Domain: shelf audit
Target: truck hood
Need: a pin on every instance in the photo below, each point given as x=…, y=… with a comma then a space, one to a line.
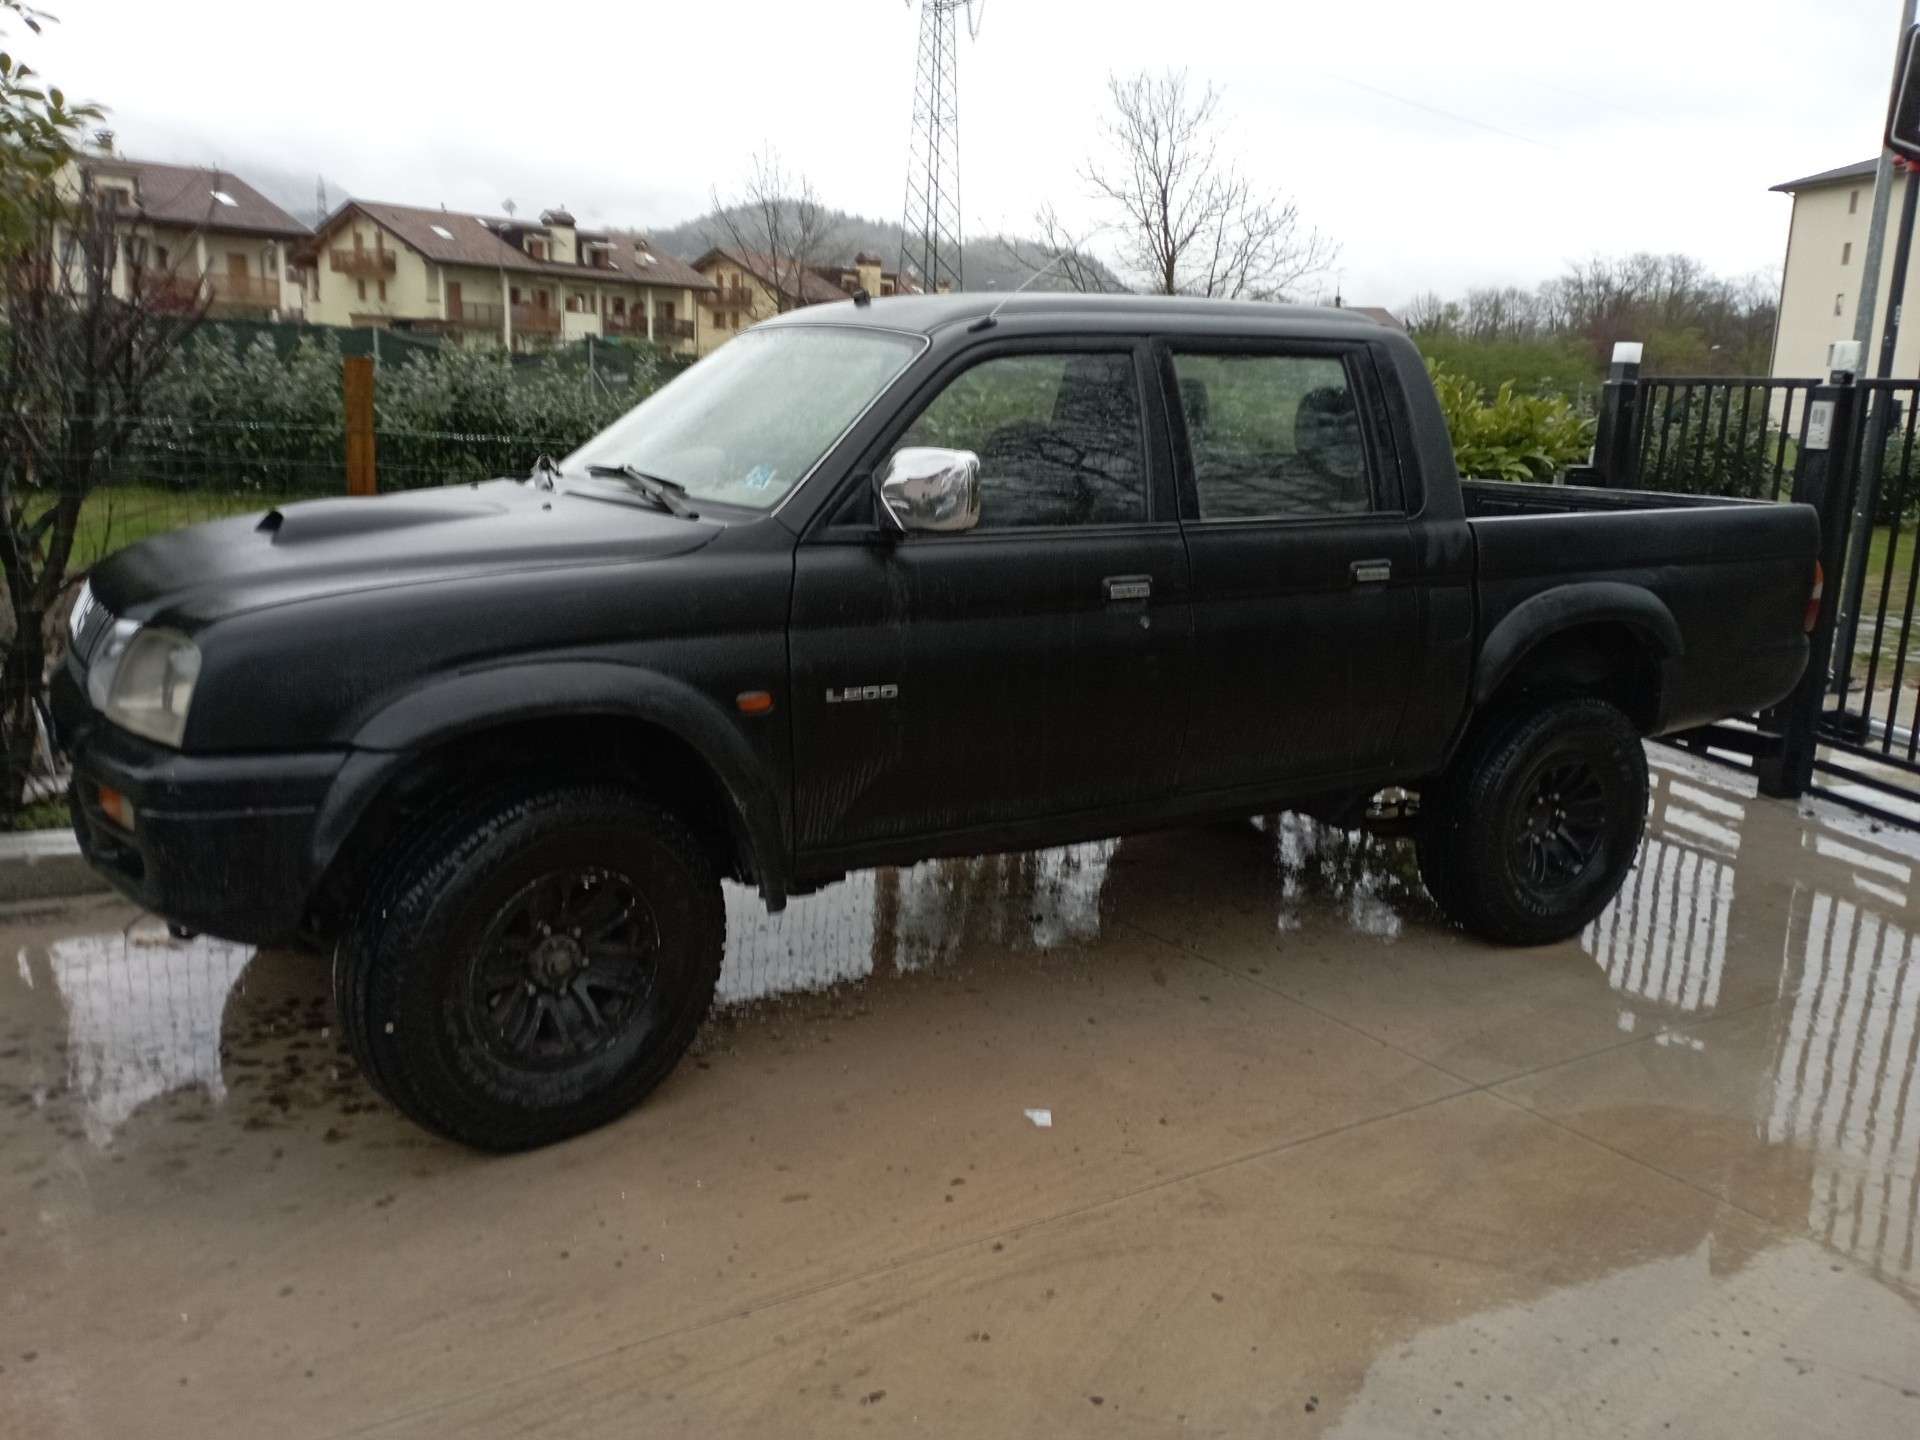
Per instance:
x=330, y=547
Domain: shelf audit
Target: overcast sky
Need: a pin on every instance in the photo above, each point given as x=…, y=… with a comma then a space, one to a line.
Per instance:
x=1443, y=145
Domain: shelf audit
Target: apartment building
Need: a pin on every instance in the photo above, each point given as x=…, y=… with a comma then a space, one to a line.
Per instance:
x=1820, y=289
x=749, y=286
x=197, y=233
x=495, y=279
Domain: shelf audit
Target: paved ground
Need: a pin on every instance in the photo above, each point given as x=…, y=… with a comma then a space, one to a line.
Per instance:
x=1317, y=1165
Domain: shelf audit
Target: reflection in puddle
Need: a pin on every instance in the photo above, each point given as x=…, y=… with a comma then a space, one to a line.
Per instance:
x=1844, y=1078
x=1816, y=904
x=143, y=1017
x=898, y=921
x=1664, y=938
x=1368, y=880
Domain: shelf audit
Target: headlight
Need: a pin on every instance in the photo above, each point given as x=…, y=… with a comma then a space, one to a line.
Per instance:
x=82, y=612
x=142, y=679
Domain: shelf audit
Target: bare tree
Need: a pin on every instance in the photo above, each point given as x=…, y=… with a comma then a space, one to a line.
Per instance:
x=1057, y=256
x=1191, y=222
x=76, y=358
x=778, y=226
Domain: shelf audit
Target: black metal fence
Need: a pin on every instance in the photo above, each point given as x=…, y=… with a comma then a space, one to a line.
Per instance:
x=1848, y=447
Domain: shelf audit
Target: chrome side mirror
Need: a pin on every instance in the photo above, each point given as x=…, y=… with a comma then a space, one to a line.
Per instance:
x=925, y=488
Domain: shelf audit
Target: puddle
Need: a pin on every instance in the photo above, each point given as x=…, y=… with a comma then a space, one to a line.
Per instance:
x=1732, y=900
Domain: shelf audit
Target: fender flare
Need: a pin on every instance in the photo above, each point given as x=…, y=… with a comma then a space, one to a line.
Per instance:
x=1566, y=607
x=445, y=709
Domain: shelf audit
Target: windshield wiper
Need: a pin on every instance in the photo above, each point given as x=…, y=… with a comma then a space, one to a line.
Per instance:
x=669, y=495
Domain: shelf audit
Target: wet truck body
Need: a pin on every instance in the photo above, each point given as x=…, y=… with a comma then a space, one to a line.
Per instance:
x=1055, y=568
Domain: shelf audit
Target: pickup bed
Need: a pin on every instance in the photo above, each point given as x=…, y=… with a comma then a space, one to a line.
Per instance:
x=877, y=582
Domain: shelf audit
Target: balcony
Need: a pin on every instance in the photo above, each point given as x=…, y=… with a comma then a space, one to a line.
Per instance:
x=672, y=330
x=535, y=320
x=732, y=297
x=244, y=292
x=169, y=292
x=365, y=264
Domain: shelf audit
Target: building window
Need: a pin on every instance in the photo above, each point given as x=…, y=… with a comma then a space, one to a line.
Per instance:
x=1846, y=252
x=1839, y=303
x=1853, y=201
x=361, y=286
x=537, y=249
x=383, y=291
x=515, y=294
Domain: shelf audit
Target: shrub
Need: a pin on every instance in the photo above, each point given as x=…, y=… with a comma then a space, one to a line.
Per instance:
x=232, y=414
x=1511, y=436
x=1709, y=442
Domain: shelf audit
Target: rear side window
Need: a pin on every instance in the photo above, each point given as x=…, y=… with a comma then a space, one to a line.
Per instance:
x=1273, y=436
x=1058, y=435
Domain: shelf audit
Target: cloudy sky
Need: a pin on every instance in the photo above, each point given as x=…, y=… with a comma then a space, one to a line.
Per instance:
x=1443, y=145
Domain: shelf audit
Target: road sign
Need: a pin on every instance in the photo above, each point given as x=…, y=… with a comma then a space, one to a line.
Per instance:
x=1903, y=110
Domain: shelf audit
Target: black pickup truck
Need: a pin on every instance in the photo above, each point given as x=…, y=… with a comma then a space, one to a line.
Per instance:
x=877, y=582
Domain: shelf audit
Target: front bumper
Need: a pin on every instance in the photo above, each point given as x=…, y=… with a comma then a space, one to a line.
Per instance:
x=220, y=843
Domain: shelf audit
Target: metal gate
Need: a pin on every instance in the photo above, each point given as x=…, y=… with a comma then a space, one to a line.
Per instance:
x=1849, y=448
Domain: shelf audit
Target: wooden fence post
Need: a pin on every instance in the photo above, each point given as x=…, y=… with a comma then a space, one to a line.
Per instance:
x=356, y=383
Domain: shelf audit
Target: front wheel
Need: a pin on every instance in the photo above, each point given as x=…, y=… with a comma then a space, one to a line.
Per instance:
x=1532, y=830
x=534, y=966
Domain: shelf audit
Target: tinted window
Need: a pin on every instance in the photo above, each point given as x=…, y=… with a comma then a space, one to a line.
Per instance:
x=1058, y=438
x=1272, y=435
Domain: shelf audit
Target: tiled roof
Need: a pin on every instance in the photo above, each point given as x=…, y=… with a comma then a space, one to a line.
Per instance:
x=195, y=196
x=1379, y=314
x=453, y=237
x=1862, y=170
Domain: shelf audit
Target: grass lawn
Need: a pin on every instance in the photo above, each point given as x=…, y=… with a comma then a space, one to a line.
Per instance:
x=115, y=516
x=1895, y=586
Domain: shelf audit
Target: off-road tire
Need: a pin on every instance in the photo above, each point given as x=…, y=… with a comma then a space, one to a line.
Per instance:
x=1473, y=841
x=402, y=974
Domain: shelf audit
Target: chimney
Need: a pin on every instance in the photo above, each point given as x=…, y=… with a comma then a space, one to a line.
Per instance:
x=867, y=266
x=563, y=243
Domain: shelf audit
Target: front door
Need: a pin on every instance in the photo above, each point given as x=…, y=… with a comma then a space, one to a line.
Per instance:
x=1306, y=600
x=964, y=685
x=453, y=299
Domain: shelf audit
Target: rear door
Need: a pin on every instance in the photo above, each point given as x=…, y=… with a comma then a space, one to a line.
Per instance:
x=1305, y=599
x=1032, y=667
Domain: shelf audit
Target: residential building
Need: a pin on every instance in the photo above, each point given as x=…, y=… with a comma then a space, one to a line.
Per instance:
x=1820, y=290
x=1379, y=314
x=495, y=279
x=749, y=286
x=197, y=233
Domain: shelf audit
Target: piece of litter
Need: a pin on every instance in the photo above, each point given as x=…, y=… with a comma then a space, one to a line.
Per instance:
x=1041, y=1118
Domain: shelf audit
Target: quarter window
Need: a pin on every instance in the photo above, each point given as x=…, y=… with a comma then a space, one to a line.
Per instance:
x=1058, y=436
x=1273, y=436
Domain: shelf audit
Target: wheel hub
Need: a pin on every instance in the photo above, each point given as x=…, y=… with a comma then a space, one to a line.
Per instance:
x=564, y=970
x=556, y=960
x=1561, y=828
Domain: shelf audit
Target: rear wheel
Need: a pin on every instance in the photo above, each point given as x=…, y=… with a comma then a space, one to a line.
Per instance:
x=1533, y=829
x=533, y=967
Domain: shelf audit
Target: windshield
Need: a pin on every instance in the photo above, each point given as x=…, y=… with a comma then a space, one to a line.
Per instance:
x=744, y=425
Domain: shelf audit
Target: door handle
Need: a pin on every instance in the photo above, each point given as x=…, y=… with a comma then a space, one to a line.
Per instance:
x=1128, y=587
x=1370, y=572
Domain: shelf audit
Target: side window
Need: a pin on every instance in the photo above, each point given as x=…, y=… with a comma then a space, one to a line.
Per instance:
x=1273, y=436
x=1058, y=436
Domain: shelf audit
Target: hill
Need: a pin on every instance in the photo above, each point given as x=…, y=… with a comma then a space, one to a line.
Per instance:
x=990, y=262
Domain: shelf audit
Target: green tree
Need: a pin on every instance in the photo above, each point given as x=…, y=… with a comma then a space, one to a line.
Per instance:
x=38, y=132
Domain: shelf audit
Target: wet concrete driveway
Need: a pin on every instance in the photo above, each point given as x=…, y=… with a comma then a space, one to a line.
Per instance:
x=1316, y=1164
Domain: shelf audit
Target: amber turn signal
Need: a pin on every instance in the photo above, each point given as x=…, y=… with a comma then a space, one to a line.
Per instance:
x=116, y=807
x=753, y=702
